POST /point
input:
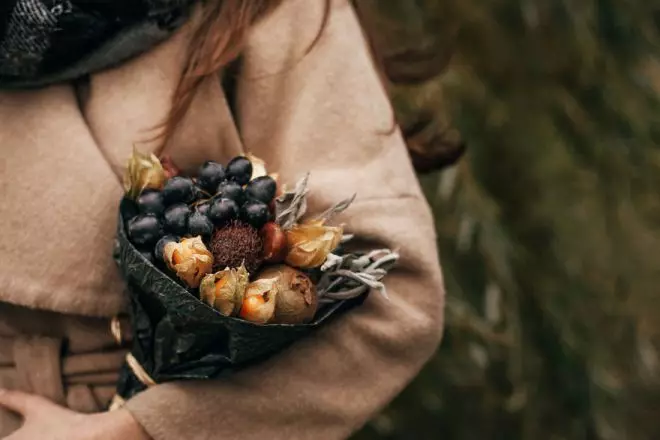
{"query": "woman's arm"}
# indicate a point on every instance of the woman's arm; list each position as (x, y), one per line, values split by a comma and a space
(327, 113)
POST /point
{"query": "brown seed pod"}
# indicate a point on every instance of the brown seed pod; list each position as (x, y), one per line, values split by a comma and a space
(237, 244)
(296, 301)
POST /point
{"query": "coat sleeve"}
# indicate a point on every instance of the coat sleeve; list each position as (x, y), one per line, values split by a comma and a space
(323, 111)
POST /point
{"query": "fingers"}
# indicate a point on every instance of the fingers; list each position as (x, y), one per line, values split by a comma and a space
(23, 403)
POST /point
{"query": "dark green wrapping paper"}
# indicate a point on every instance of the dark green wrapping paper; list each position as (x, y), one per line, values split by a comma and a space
(178, 337)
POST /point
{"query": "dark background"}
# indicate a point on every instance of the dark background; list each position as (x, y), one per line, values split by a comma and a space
(549, 224)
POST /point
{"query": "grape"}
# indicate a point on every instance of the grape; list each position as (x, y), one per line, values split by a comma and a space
(203, 208)
(178, 190)
(160, 246)
(144, 229)
(151, 202)
(176, 218)
(211, 174)
(199, 224)
(148, 256)
(262, 188)
(231, 190)
(222, 211)
(239, 169)
(255, 213)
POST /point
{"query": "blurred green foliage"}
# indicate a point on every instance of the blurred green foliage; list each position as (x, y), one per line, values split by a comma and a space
(549, 227)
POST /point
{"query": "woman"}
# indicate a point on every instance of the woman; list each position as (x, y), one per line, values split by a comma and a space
(88, 84)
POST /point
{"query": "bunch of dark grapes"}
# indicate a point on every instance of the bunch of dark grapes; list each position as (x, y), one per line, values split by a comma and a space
(186, 207)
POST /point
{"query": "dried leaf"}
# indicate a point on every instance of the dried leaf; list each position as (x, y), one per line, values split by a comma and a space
(335, 209)
(292, 205)
(349, 276)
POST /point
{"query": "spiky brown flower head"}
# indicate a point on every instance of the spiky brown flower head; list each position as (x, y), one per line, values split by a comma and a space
(235, 244)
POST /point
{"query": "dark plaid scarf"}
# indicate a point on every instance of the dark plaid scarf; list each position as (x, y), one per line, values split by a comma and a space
(47, 41)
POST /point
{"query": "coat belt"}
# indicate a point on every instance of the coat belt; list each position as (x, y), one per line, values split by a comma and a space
(75, 362)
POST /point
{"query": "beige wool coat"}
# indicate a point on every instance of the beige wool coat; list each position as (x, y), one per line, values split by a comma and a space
(61, 150)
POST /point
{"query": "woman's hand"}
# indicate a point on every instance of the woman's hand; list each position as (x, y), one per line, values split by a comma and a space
(45, 420)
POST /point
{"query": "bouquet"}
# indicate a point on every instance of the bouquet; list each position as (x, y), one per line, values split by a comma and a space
(225, 269)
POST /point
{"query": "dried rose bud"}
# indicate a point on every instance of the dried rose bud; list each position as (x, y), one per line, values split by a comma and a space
(144, 171)
(310, 244)
(189, 259)
(297, 300)
(225, 290)
(275, 247)
(259, 301)
(258, 166)
(171, 170)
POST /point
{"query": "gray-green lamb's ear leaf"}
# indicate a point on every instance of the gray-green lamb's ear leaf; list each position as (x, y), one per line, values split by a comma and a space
(292, 205)
(352, 275)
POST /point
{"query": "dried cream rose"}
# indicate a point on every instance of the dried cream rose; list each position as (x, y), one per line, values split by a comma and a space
(259, 170)
(144, 171)
(309, 244)
(189, 259)
(258, 166)
(225, 290)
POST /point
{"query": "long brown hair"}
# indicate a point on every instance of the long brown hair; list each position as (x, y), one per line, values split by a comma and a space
(219, 39)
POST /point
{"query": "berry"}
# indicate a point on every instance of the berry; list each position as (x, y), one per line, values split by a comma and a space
(144, 229)
(179, 190)
(203, 207)
(199, 193)
(151, 202)
(176, 219)
(199, 224)
(148, 256)
(222, 211)
(239, 169)
(262, 188)
(231, 190)
(275, 242)
(129, 208)
(255, 213)
(159, 250)
(210, 175)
